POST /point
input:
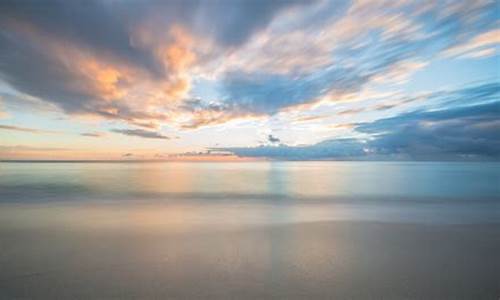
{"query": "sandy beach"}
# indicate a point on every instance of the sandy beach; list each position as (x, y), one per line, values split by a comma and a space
(318, 260)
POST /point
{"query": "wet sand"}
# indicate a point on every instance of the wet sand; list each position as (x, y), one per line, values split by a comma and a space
(315, 260)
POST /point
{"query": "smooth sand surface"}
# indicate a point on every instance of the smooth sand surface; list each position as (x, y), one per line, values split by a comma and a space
(316, 260)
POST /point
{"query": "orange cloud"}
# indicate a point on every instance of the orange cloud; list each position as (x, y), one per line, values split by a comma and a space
(117, 89)
(342, 126)
(102, 79)
(178, 55)
(175, 53)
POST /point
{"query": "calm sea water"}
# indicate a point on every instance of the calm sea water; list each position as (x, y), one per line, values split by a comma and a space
(286, 230)
(267, 191)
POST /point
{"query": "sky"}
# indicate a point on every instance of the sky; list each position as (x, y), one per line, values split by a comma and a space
(250, 79)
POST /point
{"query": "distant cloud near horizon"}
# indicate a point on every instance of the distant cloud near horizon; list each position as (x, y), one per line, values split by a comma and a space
(92, 134)
(272, 139)
(25, 129)
(141, 133)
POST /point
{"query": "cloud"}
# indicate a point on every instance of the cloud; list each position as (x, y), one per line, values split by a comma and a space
(141, 133)
(478, 46)
(371, 43)
(339, 148)
(272, 139)
(459, 132)
(139, 62)
(198, 113)
(343, 126)
(426, 136)
(23, 102)
(268, 94)
(73, 64)
(3, 114)
(351, 111)
(400, 72)
(108, 25)
(25, 129)
(482, 53)
(458, 128)
(92, 134)
(233, 22)
(80, 80)
(308, 118)
(119, 60)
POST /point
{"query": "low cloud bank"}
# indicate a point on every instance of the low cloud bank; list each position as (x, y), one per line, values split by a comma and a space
(463, 133)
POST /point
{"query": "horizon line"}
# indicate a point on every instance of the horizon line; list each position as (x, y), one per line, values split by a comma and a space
(221, 161)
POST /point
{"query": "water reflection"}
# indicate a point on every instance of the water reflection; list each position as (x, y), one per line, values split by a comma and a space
(270, 180)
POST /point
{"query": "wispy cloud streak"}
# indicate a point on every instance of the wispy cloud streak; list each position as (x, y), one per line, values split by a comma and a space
(141, 133)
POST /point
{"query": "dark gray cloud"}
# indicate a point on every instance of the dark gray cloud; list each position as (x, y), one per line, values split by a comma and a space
(141, 133)
(467, 132)
(464, 132)
(31, 71)
(92, 134)
(94, 23)
(272, 139)
(29, 67)
(106, 25)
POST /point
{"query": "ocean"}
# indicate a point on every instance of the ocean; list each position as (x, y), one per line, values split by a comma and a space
(249, 230)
